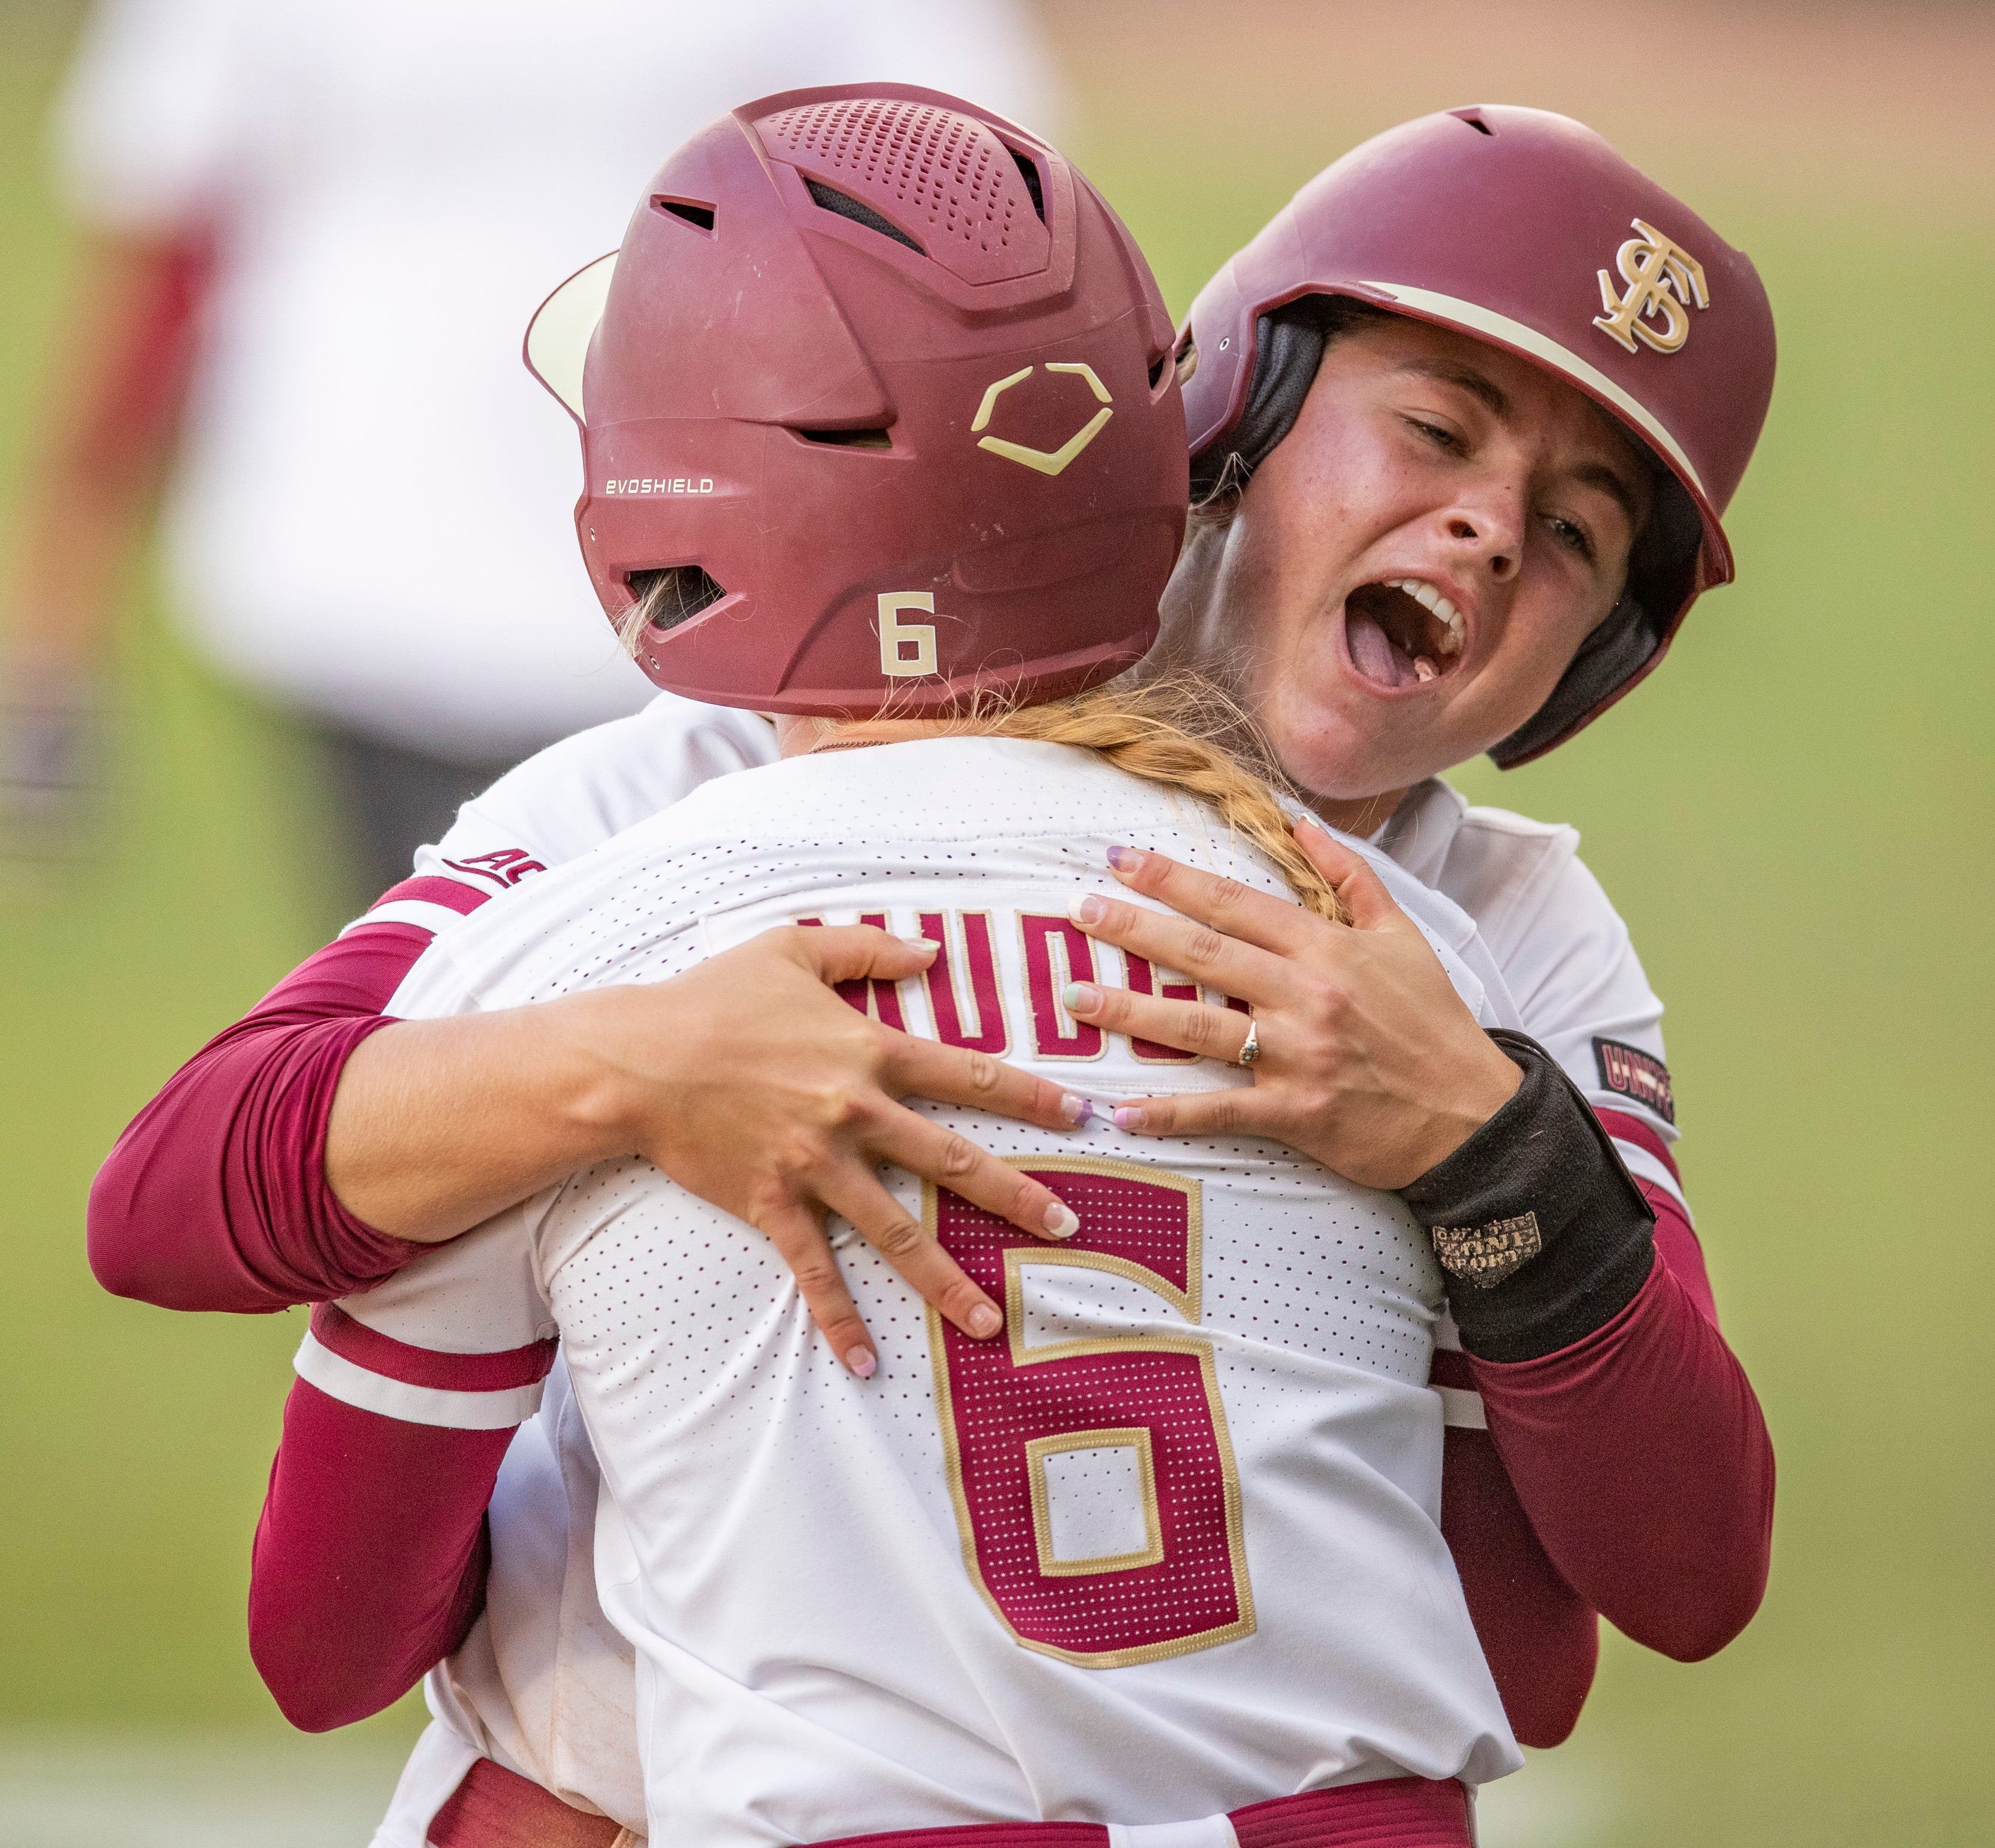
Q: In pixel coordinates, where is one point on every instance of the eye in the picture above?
(1438, 435)
(1571, 535)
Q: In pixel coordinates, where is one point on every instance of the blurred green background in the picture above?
(1794, 817)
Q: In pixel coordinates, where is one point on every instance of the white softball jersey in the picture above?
(369, 517)
(544, 1684)
(1168, 1546)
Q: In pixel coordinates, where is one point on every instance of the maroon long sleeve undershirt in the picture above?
(215, 1196)
(1643, 1457)
(369, 1561)
(1630, 1474)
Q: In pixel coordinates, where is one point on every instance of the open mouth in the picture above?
(1402, 632)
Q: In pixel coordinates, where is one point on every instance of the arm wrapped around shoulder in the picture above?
(1543, 1234)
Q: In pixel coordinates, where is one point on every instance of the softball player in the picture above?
(1150, 1561)
(1675, 1553)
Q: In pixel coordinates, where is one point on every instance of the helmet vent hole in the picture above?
(848, 439)
(693, 214)
(1474, 118)
(666, 597)
(1028, 171)
(973, 202)
(847, 207)
(1157, 369)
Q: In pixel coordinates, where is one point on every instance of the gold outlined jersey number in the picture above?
(1009, 1411)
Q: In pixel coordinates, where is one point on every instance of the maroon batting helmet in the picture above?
(1526, 230)
(891, 373)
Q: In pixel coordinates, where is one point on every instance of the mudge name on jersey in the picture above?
(966, 996)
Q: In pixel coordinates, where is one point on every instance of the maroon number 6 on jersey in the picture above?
(1032, 1432)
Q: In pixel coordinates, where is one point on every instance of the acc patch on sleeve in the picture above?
(1631, 1072)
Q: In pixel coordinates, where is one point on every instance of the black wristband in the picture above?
(1542, 1234)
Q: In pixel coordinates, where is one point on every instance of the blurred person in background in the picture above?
(309, 236)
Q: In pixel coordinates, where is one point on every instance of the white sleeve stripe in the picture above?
(1643, 1166)
(418, 912)
(1461, 1410)
(340, 1378)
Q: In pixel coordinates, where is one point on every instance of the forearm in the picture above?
(437, 1124)
(1645, 1463)
(1538, 1635)
(227, 1191)
(370, 1562)
(1634, 1440)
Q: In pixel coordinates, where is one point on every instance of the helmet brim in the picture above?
(558, 337)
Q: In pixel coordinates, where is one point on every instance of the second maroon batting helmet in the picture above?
(1526, 230)
(891, 374)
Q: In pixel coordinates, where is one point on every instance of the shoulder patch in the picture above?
(1635, 1075)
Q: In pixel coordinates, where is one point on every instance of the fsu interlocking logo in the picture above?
(1665, 282)
(1047, 461)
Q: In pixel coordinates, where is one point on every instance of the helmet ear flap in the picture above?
(1616, 652)
(1662, 569)
(1287, 347)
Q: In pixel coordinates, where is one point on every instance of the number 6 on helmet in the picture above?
(897, 636)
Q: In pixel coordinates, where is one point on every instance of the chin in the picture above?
(1344, 757)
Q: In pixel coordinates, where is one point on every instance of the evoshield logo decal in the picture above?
(1047, 461)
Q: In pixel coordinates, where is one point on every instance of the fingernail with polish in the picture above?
(1086, 910)
(927, 946)
(984, 1320)
(1062, 1221)
(861, 1362)
(1073, 1110)
(1080, 998)
(1125, 860)
(1129, 1117)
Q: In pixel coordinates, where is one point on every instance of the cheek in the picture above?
(1332, 489)
(1541, 634)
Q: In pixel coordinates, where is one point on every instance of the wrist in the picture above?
(599, 1101)
(1482, 1087)
(610, 1082)
(1541, 1234)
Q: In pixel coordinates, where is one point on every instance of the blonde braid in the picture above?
(1169, 731)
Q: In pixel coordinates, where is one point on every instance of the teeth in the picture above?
(1431, 599)
(1424, 669)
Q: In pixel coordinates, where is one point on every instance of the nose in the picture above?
(1491, 534)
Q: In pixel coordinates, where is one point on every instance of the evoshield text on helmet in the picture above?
(894, 377)
(1526, 230)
